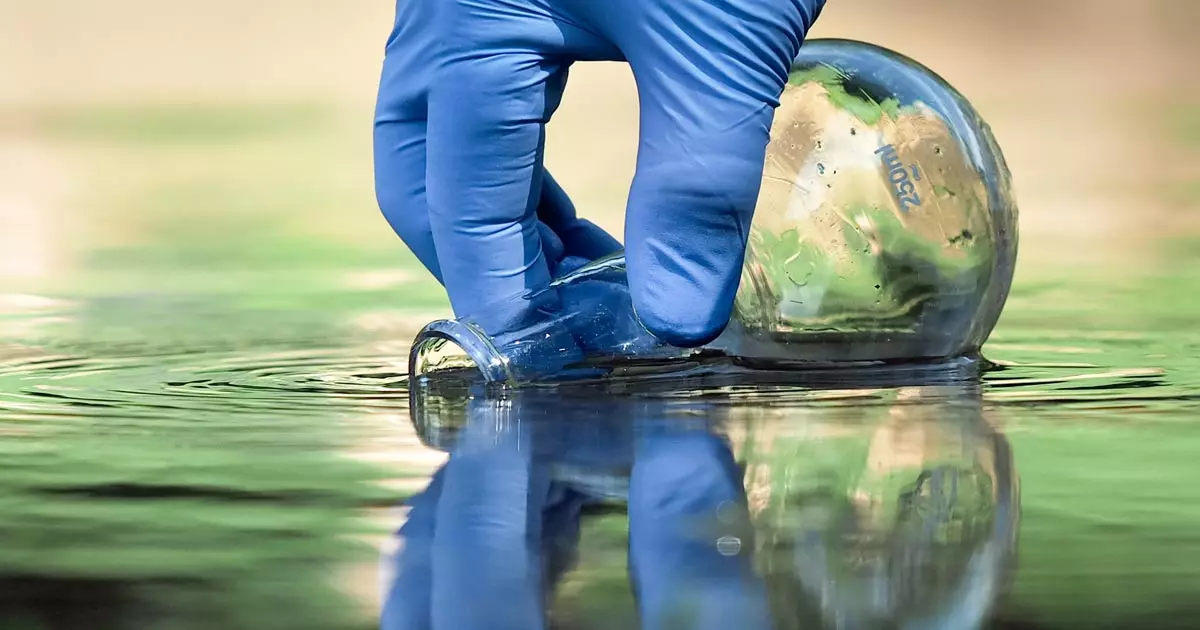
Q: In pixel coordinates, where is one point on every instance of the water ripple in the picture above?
(161, 385)
(152, 383)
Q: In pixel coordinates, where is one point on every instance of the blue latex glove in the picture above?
(499, 524)
(467, 89)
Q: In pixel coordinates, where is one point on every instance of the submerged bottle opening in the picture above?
(448, 345)
(578, 327)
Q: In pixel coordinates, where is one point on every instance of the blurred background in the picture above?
(187, 216)
(131, 120)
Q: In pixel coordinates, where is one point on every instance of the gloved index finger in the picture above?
(483, 177)
(499, 79)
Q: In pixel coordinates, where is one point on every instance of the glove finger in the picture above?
(552, 245)
(569, 264)
(709, 76)
(580, 237)
(400, 130)
(486, 129)
(500, 75)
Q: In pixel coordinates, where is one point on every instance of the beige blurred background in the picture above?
(1094, 102)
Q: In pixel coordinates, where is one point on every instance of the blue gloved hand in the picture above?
(467, 89)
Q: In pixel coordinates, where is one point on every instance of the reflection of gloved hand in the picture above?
(485, 539)
(499, 523)
(468, 87)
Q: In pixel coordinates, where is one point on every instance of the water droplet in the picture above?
(729, 545)
(820, 168)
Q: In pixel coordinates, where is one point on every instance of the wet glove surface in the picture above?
(467, 89)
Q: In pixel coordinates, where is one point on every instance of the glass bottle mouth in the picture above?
(581, 319)
(447, 344)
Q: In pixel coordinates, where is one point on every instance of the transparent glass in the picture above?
(885, 230)
(903, 512)
(591, 329)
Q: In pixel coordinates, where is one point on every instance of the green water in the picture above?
(202, 413)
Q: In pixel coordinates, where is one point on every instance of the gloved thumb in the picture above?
(707, 102)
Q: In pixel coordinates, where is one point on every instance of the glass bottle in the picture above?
(885, 231)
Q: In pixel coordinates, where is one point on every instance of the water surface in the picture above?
(194, 459)
(204, 421)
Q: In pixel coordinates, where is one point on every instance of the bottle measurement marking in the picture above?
(901, 177)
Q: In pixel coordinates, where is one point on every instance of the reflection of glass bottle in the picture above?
(886, 517)
(885, 230)
(898, 507)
